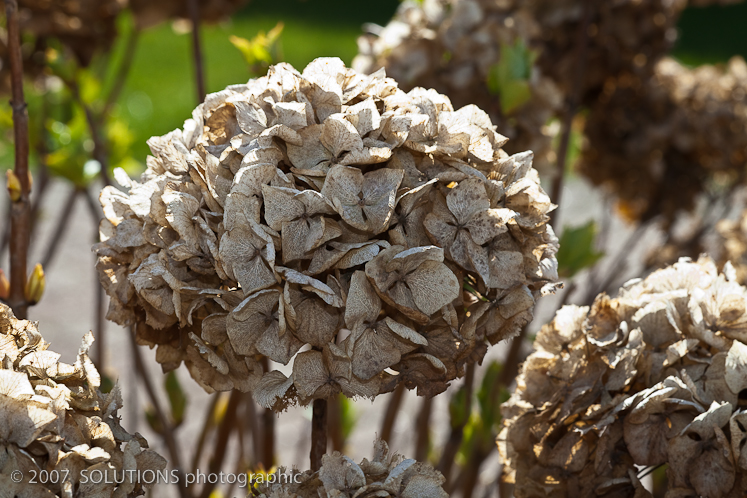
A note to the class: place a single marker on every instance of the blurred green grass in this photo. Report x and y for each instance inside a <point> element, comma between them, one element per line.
<point>160,93</point>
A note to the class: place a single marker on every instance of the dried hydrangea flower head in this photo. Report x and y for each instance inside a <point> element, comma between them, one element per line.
<point>455,46</point>
<point>327,220</point>
<point>53,417</point>
<point>658,143</point>
<point>148,13</point>
<point>732,239</point>
<point>83,26</point>
<point>654,376</point>
<point>384,476</point>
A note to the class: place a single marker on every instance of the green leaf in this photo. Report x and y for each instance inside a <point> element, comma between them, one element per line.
<point>349,417</point>
<point>152,418</point>
<point>577,250</point>
<point>458,412</point>
<point>260,51</point>
<point>509,77</point>
<point>177,398</point>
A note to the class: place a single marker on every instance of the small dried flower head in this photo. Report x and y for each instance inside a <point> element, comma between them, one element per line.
<point>327,221</point>
<point>657,143</point>
<point>53,417</point>
<point>654,376</point>
<point>149,13</point>
<point>732,239</point>
<point>384,476</point>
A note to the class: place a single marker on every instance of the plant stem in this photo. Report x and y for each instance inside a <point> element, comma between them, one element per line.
<point>390,416</point>
<point>122,70</point>
<point>334,424</point>
<point>20,209</point>
<point>207,427</point>
<point>267,434</point>
<point>457,431</point>
<point>318,433</point>
<point>60,227</point>
<point>168,433</point>
<point>194,15</point>
<point>227,425</point>
<point>573,102</point>
<point>423,430</point>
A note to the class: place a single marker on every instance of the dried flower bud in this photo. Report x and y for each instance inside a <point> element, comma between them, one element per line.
<point>384,476</point>
<point>327,219</point>
<point>4,286</point>
<point>654,376</point>
<point>55,418</point>
<point>13,185</point>
<point>35,285</point>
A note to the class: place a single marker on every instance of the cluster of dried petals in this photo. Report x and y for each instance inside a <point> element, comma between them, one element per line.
<point>148,13</point>
<point>83,26</point>
<point>658,143</point>
<point>732,239</point>
<point>654,376</point>
<point>327,221</point>
<point>384,476</point>
<point>452,46</point>
<point>53,418</point>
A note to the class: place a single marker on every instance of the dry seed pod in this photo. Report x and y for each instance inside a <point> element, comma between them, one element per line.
<point>453,46</point>
<point>327,220</point>
<point>384,476</point>
<point>658,143</point>
<point>54,418</point>
<point>654,376</point>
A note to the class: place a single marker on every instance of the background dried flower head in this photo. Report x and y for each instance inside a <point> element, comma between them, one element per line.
<point>54,418</point>
<point>327,220</point>
<point>651,377</point>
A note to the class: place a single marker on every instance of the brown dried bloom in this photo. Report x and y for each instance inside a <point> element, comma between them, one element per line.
<point>453,46</point>
<point>384,476</point>
<point>54,418</point>
<point>149,13</point>
<point>732,239</point>
<point>327,221</point>
<point>654,376</point>
<point>658,143</point>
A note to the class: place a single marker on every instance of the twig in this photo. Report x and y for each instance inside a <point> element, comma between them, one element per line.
<point>61,226</point>
<point>20,212</point>
<point>268,429</point>
<point>194,16</point>
<point>227,425</point>
<point>251,421</point>
<point>207,426</point>
<point>122,70</point>
<point>334,424</point>
<point>513,359</point>
<point>423,436</point>
<point>457,431</point>
<point>562,155</point>
<point>167,430</point>
<point>318,433</point>
<point>390,416</point>
<point>99,311</point>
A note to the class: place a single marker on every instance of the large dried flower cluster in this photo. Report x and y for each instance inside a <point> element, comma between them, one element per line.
<point>453,46</point>
<point>148,13</point>
<point>84,26</point>
<point>327,219</point>
<point>456,45</point>
<point>384,476</point>
<point>54,419</point>
<point>655,376</point>
<point>657,143</point>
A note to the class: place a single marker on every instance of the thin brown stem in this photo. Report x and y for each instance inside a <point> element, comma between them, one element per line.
<point>167,430</point>
<point>60,227</point>
<point>334,424</point>
<point>318,433</point>
<point>194,16</point>
<point>390,415</point>
<point>513,360</point>
<point>251,421</point>
<point>124,68</point>
<point>207,426</point>
<point>20,209</point>
<point>268,429</point>
<point>423,430</point>
<point>457,430</point>
<point>227,425</point>
<point>582,42</point>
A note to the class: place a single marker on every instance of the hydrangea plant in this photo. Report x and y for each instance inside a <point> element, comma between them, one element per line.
<point>331,222</point>
<point>654,376</point>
